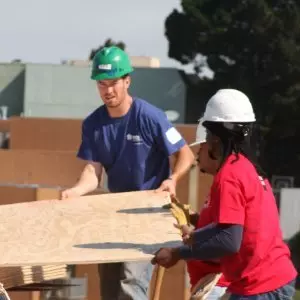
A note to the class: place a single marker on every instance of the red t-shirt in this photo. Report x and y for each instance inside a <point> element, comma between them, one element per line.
<point>197,269</point>
<point>239,196</point>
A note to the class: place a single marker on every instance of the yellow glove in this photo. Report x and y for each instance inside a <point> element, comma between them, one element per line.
<point>180,210</point>
<point>179,214</point>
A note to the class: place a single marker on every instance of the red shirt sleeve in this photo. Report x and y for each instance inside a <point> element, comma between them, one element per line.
<point>228,203</point>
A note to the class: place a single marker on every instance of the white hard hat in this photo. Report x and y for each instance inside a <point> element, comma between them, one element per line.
<point>200,134</point>
<point>229,105</point>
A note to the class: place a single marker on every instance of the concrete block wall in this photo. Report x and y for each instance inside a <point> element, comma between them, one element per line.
<point>49,91</point>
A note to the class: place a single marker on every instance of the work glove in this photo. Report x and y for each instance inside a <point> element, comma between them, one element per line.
<point>180,211</point>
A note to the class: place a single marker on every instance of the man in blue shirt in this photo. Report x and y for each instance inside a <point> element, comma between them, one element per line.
<point>132,141</point>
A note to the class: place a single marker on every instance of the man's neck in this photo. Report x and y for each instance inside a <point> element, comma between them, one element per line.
<point>121,110</point>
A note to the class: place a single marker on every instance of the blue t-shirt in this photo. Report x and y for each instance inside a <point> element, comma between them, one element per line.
<point>134,149</point>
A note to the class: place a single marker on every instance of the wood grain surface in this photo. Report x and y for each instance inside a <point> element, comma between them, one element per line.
<point>20,276</point>
<point>91,229</point>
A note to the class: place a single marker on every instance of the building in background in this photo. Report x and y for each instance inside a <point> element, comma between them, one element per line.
<point>66,90</point>
<point>12,82</point>
<point>136,61</point>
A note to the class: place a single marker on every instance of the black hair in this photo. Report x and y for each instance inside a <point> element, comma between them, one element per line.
<point>237,138</point>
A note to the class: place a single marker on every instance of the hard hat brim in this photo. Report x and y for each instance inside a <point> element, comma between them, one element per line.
<point>200,134</point>
<point>195,143</point>
<point>106,76</point>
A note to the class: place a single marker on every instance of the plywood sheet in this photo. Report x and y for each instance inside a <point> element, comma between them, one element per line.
<point>15,194</point>
<point>49,168</point>
<point>33,133</point>
<point>91,229</point>
<point>4,125</point>
<point>20,276</point>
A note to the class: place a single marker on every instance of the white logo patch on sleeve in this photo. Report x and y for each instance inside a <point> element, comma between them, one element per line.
<point>173,135</point>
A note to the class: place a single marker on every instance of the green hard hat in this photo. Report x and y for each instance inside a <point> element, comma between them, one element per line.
<point>110,63</point>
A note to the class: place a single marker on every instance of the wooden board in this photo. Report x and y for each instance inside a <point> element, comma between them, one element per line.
<point>20,276</point>
<point>91,229</point>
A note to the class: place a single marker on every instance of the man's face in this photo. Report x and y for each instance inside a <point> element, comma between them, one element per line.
<point>113,91</point>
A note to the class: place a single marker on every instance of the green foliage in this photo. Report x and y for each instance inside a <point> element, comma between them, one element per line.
<point>107,43</point>
<point>254,46</point>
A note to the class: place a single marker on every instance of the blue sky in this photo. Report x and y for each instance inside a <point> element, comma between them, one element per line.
<point>48,31</point>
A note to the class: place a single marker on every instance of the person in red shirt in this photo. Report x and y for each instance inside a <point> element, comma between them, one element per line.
<point>245,233</point>
<point>197,269</point>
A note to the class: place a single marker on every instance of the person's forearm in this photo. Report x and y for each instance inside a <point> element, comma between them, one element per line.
<point>205,233</point>
<point>213,243</point>
<point>184,159</point>
<point>88,181</point>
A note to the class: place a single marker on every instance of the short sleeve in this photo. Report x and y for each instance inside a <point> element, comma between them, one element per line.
<point>228,203</point>
<point>87,150</point>
<point>167,137</point>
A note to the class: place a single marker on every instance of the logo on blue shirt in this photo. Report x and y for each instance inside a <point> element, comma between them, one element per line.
<point>136,139</point>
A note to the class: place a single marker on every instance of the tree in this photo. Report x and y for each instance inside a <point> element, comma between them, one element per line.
<point>254,46</point>
<point>107,43</point>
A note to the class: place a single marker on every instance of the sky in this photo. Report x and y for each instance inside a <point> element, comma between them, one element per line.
<point>49,31</point>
